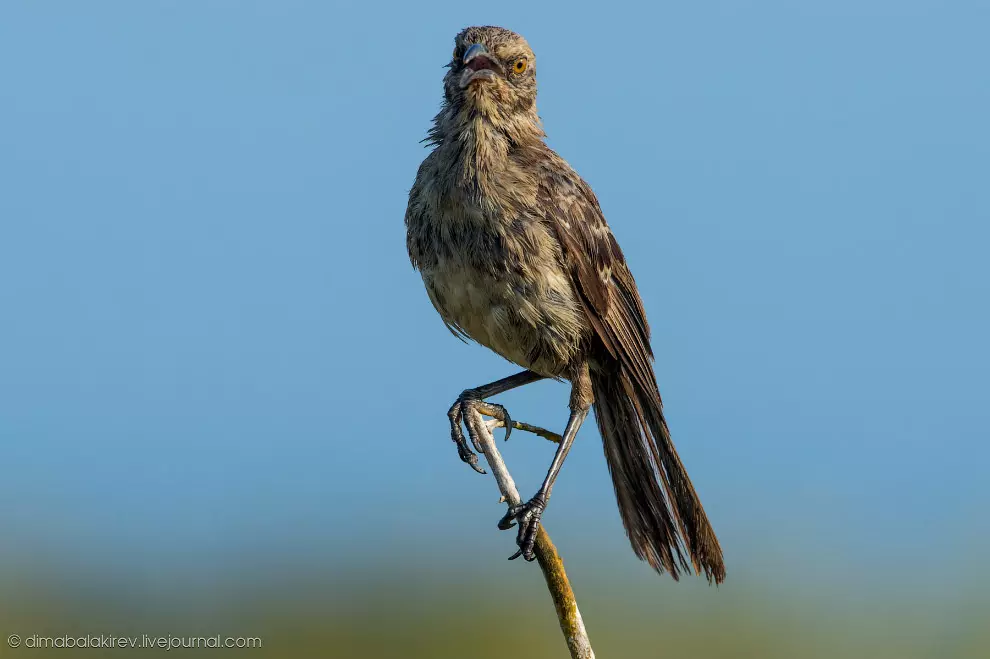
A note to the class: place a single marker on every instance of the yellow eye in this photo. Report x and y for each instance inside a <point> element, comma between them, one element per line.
<point>519,66</point>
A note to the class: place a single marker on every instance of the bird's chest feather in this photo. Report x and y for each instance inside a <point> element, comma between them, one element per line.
<point>480,265</point>
<point>499,280</point>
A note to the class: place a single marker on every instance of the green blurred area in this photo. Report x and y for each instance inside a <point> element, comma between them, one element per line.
<point>485,610</point>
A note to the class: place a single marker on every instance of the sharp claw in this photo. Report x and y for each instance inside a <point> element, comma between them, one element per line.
<point>528,515</point>
<point>474,440</point>
<point>456,415</point>
<point>507,521</point>
<point>472,460</point>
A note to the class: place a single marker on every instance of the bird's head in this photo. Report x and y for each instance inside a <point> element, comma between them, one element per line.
<point>492,72</point>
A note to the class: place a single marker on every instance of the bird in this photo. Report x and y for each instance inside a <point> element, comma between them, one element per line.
<point>516,255</point>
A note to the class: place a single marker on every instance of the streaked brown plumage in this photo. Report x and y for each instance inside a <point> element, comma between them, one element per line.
<point>516,254</point>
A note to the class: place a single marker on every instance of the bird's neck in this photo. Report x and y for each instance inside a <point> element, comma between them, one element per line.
<point>482,147</point>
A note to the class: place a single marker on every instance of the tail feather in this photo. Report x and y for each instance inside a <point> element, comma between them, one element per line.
<point>660,510</point>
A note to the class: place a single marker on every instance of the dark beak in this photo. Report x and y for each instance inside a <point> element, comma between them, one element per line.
<point>477,58</point>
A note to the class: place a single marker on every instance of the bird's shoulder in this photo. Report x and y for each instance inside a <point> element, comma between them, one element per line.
<point>591,253</point>
<point>571,208</point>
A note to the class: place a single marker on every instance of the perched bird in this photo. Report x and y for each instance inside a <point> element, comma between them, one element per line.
<point>516,254</point>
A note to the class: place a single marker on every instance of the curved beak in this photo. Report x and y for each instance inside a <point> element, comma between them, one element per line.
<point>479,64</point>
<point>473,51</point>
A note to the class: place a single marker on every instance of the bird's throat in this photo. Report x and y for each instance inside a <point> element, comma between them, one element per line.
<point>483,147</point>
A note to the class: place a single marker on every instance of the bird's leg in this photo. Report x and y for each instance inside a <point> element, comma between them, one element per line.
<point>528,514</point>
<point>476,398</point>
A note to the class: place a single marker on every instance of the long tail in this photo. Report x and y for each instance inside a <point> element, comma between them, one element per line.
<point>660,509</point>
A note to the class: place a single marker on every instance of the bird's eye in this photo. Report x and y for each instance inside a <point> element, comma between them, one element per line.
<point>519,66</point>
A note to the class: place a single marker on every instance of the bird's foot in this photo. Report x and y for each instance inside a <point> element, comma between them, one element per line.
<point>528,516</point>
<point>465,402</point>
<point>496,411</point>
<point>456,416</point>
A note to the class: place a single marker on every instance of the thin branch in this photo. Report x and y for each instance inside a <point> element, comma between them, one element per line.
<point>519,425</point>
<point>571,623</point>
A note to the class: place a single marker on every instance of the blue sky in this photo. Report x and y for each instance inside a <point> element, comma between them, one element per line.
<point>212,343</point>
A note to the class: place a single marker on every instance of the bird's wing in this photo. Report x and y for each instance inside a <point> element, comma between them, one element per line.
<point>598,268</point>
<point>660,509</point>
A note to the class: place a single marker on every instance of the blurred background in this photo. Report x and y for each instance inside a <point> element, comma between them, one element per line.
<point>223,389</point>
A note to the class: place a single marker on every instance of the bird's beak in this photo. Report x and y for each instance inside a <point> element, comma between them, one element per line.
<point>479,64</point>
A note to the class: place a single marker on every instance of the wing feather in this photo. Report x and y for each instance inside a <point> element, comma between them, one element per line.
<point>598,269</point>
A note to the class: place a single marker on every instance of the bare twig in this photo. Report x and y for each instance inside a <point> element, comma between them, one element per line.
<point>571,623</point>
<point>519,425</point>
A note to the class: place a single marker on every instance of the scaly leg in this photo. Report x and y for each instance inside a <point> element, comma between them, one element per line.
<point>476,398</point>
<point>528,514</point>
